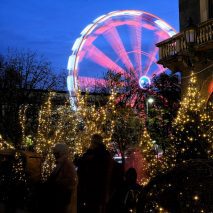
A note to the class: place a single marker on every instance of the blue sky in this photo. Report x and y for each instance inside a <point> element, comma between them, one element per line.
<point>50,27</point>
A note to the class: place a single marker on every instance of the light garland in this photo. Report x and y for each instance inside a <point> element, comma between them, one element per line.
<point>192,128</point>
<point>94,119</point>
<point>75,128</point>
<point>4,145</point>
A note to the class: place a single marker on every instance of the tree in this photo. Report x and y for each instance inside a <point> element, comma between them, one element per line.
<point>93,117</point>
<point>163,111</point>
<point>164,89</point>
<point>23,77</point>
<point>54,124</point>
<point>126,131</point>
<point>191,128</point>
<point>128,90</point>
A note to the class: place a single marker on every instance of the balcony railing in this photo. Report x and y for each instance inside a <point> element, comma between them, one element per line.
<point>205,32</point>
<point>177,44</point>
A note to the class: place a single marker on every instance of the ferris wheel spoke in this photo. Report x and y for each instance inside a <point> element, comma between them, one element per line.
<point>99,57</point>
<point>136,33</point>
<point>133,100</point>
<point>160,35</point>
<point>152,59</point>
<point>114,39</point>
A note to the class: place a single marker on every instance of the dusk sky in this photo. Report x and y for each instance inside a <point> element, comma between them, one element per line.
<point>50,27</point>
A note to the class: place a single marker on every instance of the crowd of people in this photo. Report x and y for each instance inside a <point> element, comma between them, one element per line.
<point>92,183</point>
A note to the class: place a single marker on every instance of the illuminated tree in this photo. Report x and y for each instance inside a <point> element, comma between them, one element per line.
<point>93,118</point>
<point>147,149</point>
<point>55,124</point>
<point>4,144</point>
<point>191,128</point>
<point>155,160</point>
<point>164,89</point>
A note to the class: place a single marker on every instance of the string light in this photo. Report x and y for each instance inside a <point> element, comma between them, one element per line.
<point>61,124</point>
<point>192,135</point>
<point>196,197</point>
<point>4,145</point>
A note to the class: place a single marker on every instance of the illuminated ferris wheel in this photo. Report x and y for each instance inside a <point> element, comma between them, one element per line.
<point>118,41</point>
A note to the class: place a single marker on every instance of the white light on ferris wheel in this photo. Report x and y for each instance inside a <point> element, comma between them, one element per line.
<point>77,43</point>
<point>84,31</point>
<point>70,83</point>
<point>99,18</point>
<point>71,62</point>
<point>125,12</point>
<point>163,25</point>
<point>171,33</point>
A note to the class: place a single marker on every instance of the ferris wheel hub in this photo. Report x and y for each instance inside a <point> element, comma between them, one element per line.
<point>144,81</point>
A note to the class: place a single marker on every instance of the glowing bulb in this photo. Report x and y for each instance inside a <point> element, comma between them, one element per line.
<point>196,197</point>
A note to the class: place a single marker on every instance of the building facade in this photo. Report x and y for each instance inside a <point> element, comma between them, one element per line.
<point>199,10</point>
<point>192,48</point>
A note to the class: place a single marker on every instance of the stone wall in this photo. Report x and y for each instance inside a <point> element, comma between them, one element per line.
<point>189,8</point>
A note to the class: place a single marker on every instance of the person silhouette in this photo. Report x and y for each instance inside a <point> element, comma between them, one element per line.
<point>95,175</point>
<point>125,198</point>
<point>133,190</point>
<point>60,187</point>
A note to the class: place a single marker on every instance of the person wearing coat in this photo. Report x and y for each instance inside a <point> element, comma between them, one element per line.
<point>61,186</point>
<point>96,177</point>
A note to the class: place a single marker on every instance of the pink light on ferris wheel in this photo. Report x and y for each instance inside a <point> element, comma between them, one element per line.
<point>119,41</point>
<point>100,58</point>
<point>116,43</point>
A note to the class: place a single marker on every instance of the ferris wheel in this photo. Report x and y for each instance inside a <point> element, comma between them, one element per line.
<point>118,41</point>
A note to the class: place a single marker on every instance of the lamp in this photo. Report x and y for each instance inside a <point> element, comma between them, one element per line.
<point>190,35</point>
<point>190,32</point>
<point>149,101</point>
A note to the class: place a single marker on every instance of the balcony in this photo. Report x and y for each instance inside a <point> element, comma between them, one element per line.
<point>177,55</point>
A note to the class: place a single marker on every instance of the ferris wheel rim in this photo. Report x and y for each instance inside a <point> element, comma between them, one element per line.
<point>105,17</point>
<point>101,19</point>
